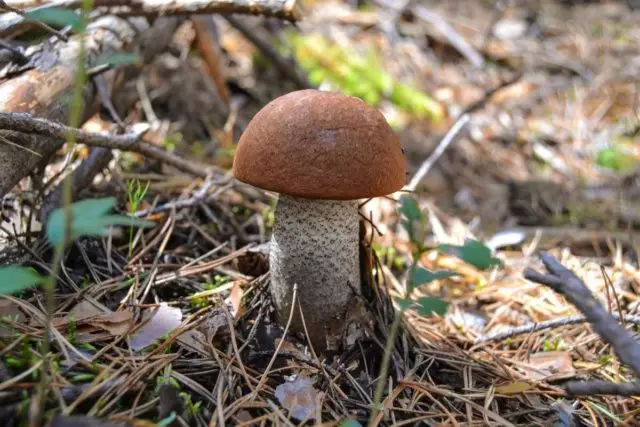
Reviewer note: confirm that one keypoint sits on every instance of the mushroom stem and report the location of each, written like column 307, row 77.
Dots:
column 315, row 245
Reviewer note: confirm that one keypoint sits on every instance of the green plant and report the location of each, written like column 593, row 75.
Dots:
column 72, row 330
column 414, row 221
column 135, row 195
column 359, row 75
column 617, row 157
column 192, row 407
column 171, row 142
column 553, row 345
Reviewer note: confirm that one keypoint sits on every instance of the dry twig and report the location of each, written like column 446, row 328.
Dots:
column 44, row 26
column 457, row 127
column 597, row 387
column 38, row 91
column 283, row 9
column 549, row 324
column 565, row 282
column 26, row 123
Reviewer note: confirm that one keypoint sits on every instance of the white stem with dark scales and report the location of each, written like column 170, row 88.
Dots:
column 315, row 244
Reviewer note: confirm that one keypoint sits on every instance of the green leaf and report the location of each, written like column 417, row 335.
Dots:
column 88, row 218
column 55, row 16
column 474, row 253
column 410, row 209
column 15, row 279
column 118, row 59
column 428, row 306
column 616, row 159
column 422, row 276
column 407, row 225
column 350, row 423
column 404, row 303
column 168, row 420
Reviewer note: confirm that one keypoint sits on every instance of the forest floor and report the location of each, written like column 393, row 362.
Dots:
column 545, row 160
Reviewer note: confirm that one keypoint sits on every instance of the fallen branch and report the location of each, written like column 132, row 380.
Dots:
column 283, row 9
column 8, row 8
column 41, row 91
column 457, row 127
column 208, row 45
column 200, row 196
column 597, row 387
column 565, row 282
column 437, row 21
column 26, row 123
column 549, row 324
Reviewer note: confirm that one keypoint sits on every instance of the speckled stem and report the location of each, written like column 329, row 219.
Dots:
column 315, row 244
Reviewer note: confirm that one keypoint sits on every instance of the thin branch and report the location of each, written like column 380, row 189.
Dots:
column 598, row 387
column 457, row 127
column 437, row 153
column 16, row 54
column 283, row 9
column 17, row 11
column 26, row 123
column 200, row 196
column 565, row 282
column 549, row 324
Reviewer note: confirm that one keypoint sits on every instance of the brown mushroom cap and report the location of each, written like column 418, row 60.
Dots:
column 320, row 145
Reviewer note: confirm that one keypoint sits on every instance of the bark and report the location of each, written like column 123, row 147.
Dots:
column 284, row 9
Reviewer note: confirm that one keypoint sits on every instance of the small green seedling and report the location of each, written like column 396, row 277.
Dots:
column 135, row 195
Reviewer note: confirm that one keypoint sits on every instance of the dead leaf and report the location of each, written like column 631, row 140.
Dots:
column 117, row 323
column 92, row 323
column 216, row 323
column 164, row 319
column 545, row 364
column 193, row 340
column 234, row 300
column 86, row 308
column 298, row 397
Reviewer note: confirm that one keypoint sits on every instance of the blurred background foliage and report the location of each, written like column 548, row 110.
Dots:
column 345, row 70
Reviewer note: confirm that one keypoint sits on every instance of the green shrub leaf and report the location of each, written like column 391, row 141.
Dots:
column 88, row 218
column 422, row 275
column 425, row 306
column 14, row 279
column 118, row 59
column 55, row 16
column 404, row 303
column 428, row 306
column 410, row 209
column 474, row 253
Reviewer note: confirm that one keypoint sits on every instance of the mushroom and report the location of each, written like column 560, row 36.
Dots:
column 322, row 152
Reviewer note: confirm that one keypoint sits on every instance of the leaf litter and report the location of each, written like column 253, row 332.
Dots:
column 198, row 295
